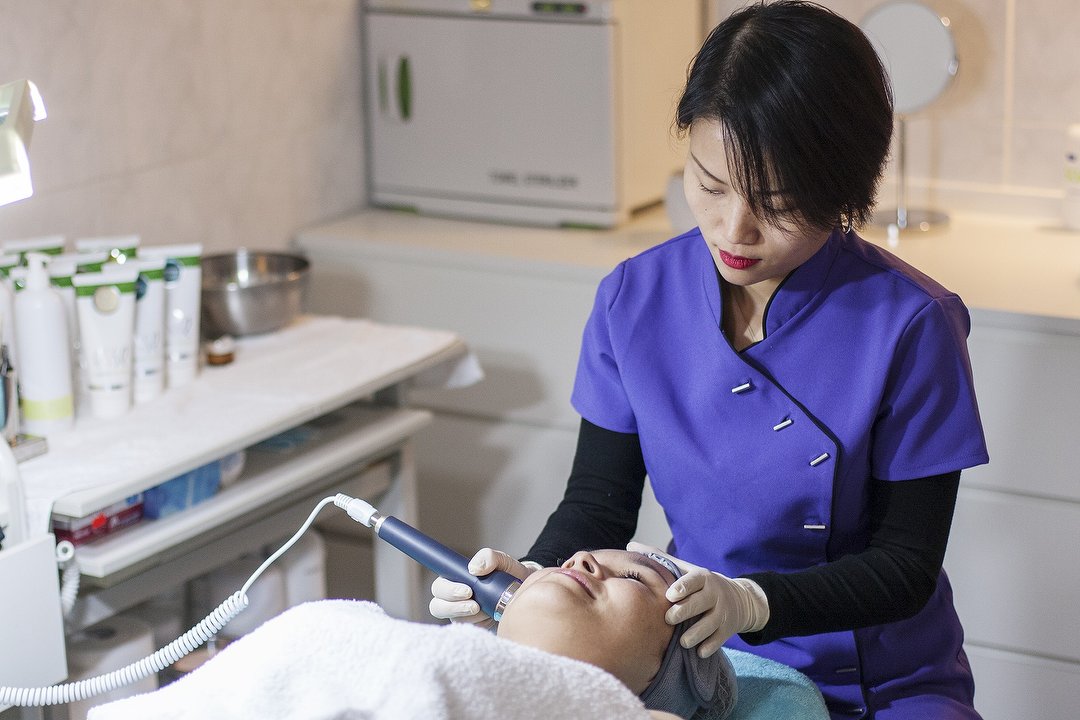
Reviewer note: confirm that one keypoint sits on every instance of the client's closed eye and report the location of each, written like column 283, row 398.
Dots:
column 633, row 575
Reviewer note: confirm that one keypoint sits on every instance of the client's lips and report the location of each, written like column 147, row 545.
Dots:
column 577, row 577
column 736, row 262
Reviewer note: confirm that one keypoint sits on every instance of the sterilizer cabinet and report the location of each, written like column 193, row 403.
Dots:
column 525, row 112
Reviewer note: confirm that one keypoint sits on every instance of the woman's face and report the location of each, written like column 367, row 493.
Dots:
column 746, row 250
column 605, row 608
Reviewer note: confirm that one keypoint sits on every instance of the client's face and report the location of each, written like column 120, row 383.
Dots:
column 605, row 608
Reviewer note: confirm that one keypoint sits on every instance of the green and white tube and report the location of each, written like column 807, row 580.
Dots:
column 46, row 245
column 119, row 248
column 148, row 378
column 106, row 306
column 183, row 302
column 7, row 301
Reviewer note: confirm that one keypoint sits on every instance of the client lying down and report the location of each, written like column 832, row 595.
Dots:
column 584, row 640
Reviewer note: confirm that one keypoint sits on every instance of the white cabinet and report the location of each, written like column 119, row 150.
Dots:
column 1012, row 553
column 524, row 112
column 498, row 453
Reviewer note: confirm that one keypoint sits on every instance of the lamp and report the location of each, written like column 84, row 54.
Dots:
column 20, row 107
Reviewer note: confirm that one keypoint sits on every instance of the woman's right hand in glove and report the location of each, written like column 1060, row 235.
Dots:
column 454, row 601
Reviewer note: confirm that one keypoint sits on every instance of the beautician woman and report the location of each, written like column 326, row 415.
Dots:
column 801, row 400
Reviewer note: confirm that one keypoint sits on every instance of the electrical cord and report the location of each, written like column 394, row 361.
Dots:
column 70, row 577
column 166, row 656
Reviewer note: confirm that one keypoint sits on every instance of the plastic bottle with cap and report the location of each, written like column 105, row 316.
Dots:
column 1070, row 205
column 44, row 354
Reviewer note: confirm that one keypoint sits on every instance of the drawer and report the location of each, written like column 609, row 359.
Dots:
column 1028, row 384
column 1015, row 572
column 1010, row 685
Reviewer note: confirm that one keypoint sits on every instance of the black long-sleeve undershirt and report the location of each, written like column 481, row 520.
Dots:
column 890, row 580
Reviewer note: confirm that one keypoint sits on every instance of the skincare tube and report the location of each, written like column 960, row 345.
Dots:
column 106, row 305
column 46, row 245
column 89, row 261
column 7, row 302
column 9, row 398
column 9, row 260
column 44, row 353
column 148, row 377
column 119, row 248
column 61, row 270
column 183, row 299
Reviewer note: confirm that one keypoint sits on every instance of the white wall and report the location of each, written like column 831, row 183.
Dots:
column 229, row 122
column 236, row 123
column 994, row 141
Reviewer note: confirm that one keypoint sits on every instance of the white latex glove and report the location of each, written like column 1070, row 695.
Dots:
column 453, row 601
column 724, row 606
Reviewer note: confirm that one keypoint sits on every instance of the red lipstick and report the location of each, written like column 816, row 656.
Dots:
column 736, row 262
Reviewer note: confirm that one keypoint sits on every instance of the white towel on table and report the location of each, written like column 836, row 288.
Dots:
column 348, row 660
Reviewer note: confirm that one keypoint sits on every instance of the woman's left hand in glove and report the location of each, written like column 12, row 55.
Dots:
column 723, row 606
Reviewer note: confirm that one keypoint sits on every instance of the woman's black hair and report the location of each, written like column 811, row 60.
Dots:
column 805, row 106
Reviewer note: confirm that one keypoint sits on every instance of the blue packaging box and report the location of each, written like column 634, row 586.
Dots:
column 183, row 491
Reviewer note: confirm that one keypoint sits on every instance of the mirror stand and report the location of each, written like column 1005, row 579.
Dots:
column 903, row 217
column 917, row 50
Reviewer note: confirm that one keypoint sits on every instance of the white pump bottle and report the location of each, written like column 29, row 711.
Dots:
column 44, row 354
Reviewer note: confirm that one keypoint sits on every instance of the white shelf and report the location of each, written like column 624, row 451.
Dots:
column 352, row 436
column 277, row 381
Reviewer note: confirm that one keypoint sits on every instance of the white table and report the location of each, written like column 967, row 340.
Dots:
column 344, row 374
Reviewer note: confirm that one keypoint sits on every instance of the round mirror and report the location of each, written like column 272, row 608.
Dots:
column 917, row 48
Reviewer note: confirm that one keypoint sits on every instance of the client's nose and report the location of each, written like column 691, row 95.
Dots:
column 585, row 562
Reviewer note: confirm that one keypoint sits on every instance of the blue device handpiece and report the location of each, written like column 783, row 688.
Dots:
column 492, row 591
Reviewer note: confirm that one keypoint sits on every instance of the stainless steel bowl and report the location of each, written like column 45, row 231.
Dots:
column 249, row 292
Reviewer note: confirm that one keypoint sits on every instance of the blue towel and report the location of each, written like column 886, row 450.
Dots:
column 769, row 690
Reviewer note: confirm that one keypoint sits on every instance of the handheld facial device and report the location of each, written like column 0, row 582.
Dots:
column 492, row 592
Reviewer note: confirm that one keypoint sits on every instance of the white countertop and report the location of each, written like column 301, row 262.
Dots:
column 997, row 263
column 278, row 380
column 1002, row 263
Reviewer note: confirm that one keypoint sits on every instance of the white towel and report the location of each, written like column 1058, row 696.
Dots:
column 348, row 660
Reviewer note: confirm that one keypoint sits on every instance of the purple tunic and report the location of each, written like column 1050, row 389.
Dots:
column 763, row 460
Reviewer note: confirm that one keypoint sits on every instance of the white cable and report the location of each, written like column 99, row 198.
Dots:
column 69, row 586
column 163, row 658
column 70, row 577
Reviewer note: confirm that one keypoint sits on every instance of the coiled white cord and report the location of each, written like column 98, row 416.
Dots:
column 163, row 658
column 70, row 577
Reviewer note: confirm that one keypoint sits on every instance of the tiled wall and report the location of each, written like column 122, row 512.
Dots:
column 235, row 123
column 229, row 123
column 994, row 140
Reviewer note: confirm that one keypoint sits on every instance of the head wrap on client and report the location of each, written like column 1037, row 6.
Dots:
column 687, row 684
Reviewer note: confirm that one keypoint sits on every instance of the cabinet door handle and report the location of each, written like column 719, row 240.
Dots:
column 394, row 87
column 404, row 88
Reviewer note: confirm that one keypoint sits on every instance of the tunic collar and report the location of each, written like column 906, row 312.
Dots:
column 794, row 292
